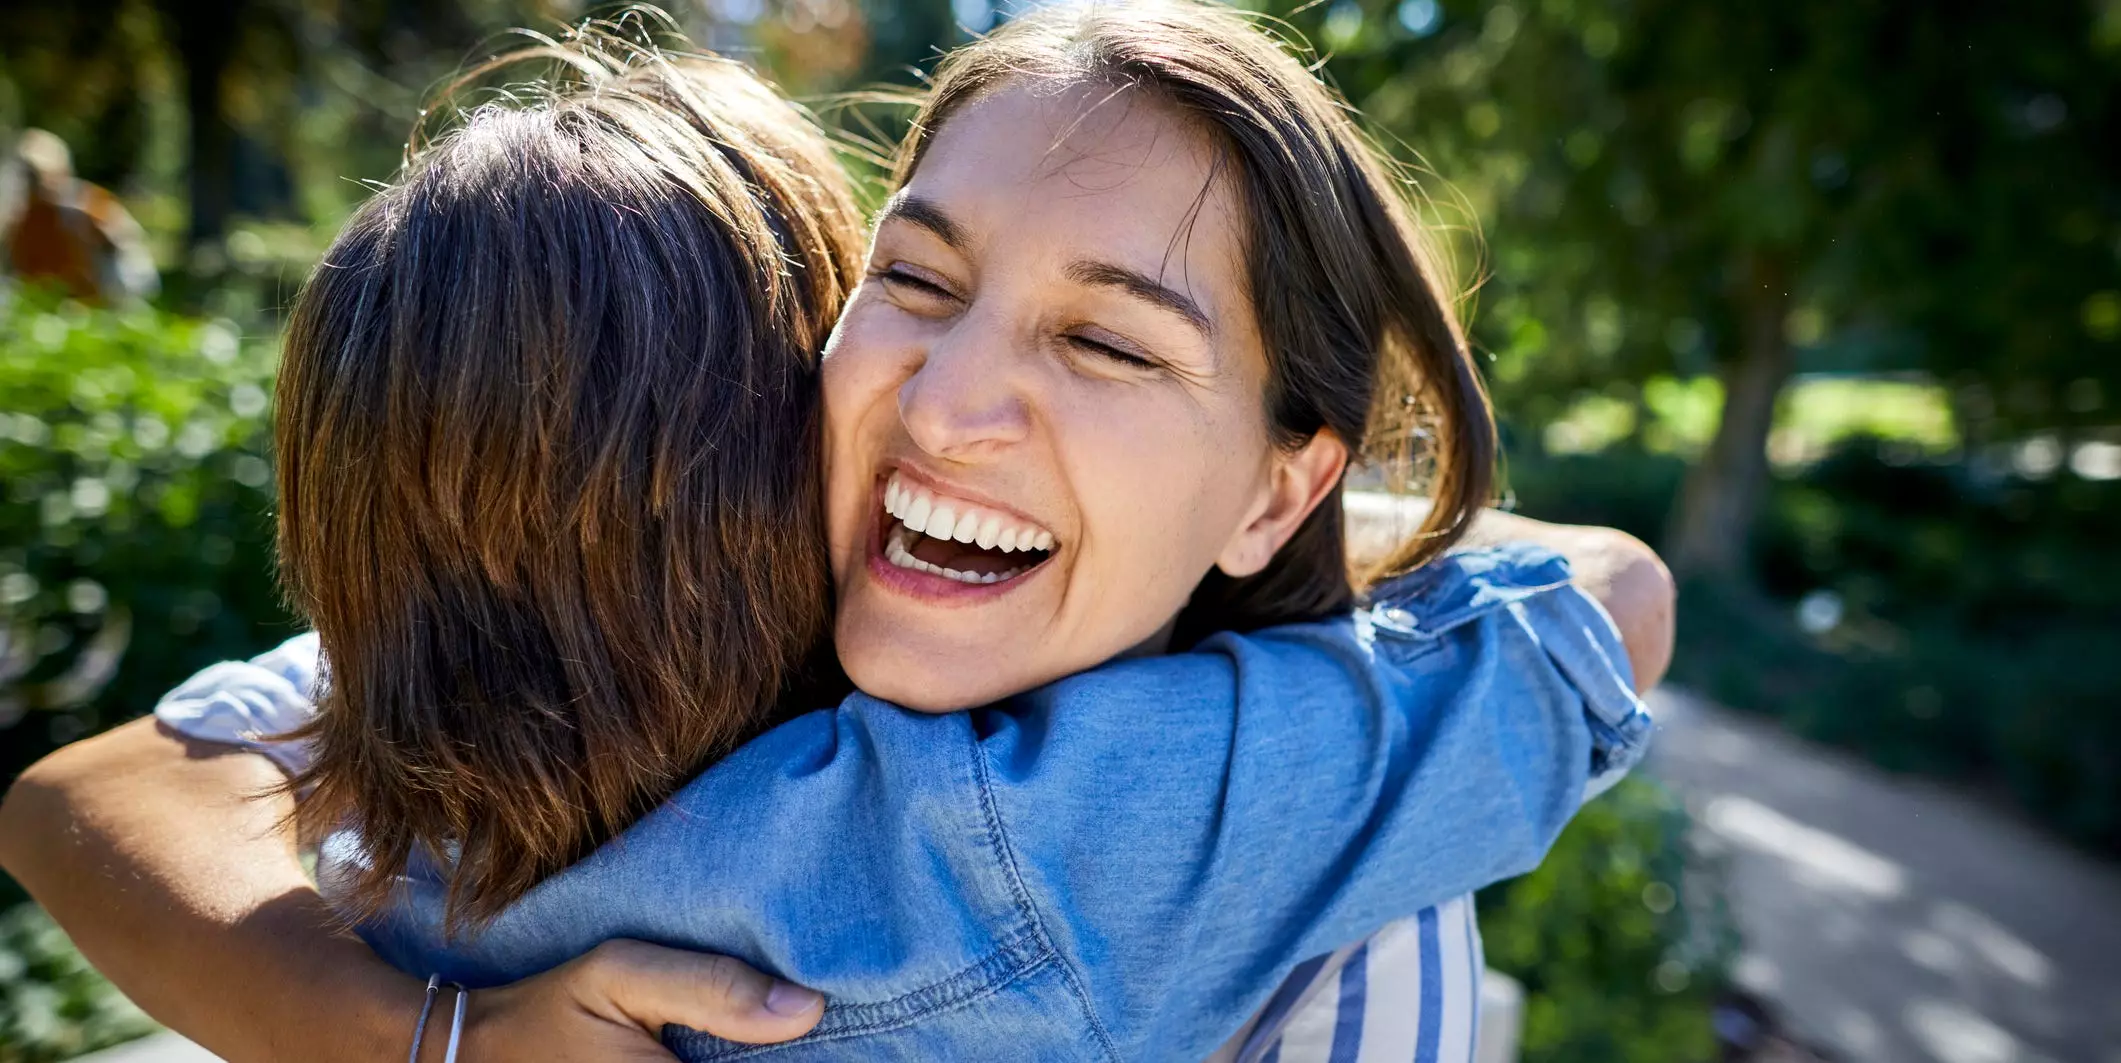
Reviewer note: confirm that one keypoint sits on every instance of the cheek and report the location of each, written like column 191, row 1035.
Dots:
column 856, row 364
column 1164, row 484
column 859, row 379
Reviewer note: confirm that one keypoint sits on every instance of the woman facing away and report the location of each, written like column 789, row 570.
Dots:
column 1142, row 420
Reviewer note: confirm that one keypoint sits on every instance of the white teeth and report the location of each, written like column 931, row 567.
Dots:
column 949, row 520
column 895, row 552
column 943, row 524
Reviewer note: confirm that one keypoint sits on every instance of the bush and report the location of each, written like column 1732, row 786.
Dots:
column 1620, row 488
column 53, row 1005
column 135, row 512
column 1962, row 616
column 1957, row 622
column 1621, row 940
column 135, row 547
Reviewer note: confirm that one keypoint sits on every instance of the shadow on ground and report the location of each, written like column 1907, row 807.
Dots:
column 1891, row 920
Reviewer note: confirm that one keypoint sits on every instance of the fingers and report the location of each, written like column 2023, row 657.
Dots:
column 651, row 986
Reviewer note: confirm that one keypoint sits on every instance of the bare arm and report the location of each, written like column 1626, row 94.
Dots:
column 183, row 890
column 1617, row 569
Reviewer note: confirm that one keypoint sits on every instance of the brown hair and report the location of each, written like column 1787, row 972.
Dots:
column 1361, row 335
column 548, row 464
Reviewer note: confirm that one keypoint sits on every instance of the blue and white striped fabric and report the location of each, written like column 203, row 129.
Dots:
column 1409, row 994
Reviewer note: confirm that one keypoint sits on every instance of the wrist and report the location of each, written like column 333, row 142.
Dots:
column 334, row 1001
column 385, row 1004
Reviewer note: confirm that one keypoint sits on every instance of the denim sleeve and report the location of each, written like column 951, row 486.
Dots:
column 1185, row 857
column 251, row 703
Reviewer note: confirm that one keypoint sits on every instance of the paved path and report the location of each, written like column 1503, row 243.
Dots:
column 1893, row 920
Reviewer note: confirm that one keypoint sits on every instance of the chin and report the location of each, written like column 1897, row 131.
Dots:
column 913, row 677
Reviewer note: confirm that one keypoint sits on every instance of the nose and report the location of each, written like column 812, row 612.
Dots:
column 962, row 403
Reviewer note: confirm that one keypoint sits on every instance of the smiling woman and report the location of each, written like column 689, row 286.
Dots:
column 1055, row 324
column 1106, row 302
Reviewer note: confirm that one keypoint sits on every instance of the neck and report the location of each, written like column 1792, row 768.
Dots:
column 1155, row 645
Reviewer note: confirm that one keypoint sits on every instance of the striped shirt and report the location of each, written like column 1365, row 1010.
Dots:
column 1409, row 994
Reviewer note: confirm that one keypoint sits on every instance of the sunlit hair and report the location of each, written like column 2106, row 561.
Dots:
column 1360, row 328
column 547, row 438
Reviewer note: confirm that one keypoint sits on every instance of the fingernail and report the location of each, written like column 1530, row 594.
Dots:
column 787, row 998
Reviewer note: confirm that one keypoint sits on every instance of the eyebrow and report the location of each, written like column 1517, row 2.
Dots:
column 929, row 215
column 914, row 210
column 1144, row 287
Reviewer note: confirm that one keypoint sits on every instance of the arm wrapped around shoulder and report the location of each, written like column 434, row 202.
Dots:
column 1191, row 827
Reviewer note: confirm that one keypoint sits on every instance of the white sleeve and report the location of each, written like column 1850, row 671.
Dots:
column 251, row 703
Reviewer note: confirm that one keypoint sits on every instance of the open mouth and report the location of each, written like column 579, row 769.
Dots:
column 958, row 540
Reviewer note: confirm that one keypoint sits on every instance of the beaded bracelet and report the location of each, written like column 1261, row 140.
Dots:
column 456, row 1024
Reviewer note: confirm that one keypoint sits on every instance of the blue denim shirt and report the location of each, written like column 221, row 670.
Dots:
column 1121, row 865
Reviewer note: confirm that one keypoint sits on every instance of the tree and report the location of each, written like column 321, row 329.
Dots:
column 1677, row 187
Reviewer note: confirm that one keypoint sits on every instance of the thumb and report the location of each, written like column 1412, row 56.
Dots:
column 652, row 986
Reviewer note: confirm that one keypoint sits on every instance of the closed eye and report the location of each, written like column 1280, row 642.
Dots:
column 1108, row 351
column 904, row 280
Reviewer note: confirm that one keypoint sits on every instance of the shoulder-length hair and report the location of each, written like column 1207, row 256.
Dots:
column 548, row 464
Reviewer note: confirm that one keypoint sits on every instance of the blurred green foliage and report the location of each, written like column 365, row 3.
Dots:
column 1848, row 275
column 135, row 547
column 135, row 512
column 1743, row 192
column 53, row 1005
column 1952, row 617
column 1620, row 938
column 1934, row 184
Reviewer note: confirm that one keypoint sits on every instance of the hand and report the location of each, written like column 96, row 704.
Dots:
column 609, row 1006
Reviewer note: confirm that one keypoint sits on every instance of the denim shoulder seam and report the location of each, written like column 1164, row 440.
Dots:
column 1005, row 856
column 1461, row 587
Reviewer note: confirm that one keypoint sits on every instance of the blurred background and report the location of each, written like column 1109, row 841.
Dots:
column 1820, row 297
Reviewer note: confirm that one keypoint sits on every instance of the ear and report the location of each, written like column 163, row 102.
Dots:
column 1296, row 484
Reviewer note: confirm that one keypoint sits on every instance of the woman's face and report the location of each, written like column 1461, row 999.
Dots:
column 1044, row 403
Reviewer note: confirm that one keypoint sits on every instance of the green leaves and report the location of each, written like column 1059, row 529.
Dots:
column 135, row 547
column 53, row 1005
column 135, row 498
column 1939, row 180
column 1620, row 939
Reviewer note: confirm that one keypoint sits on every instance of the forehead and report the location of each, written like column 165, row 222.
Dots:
column 1087, row 171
